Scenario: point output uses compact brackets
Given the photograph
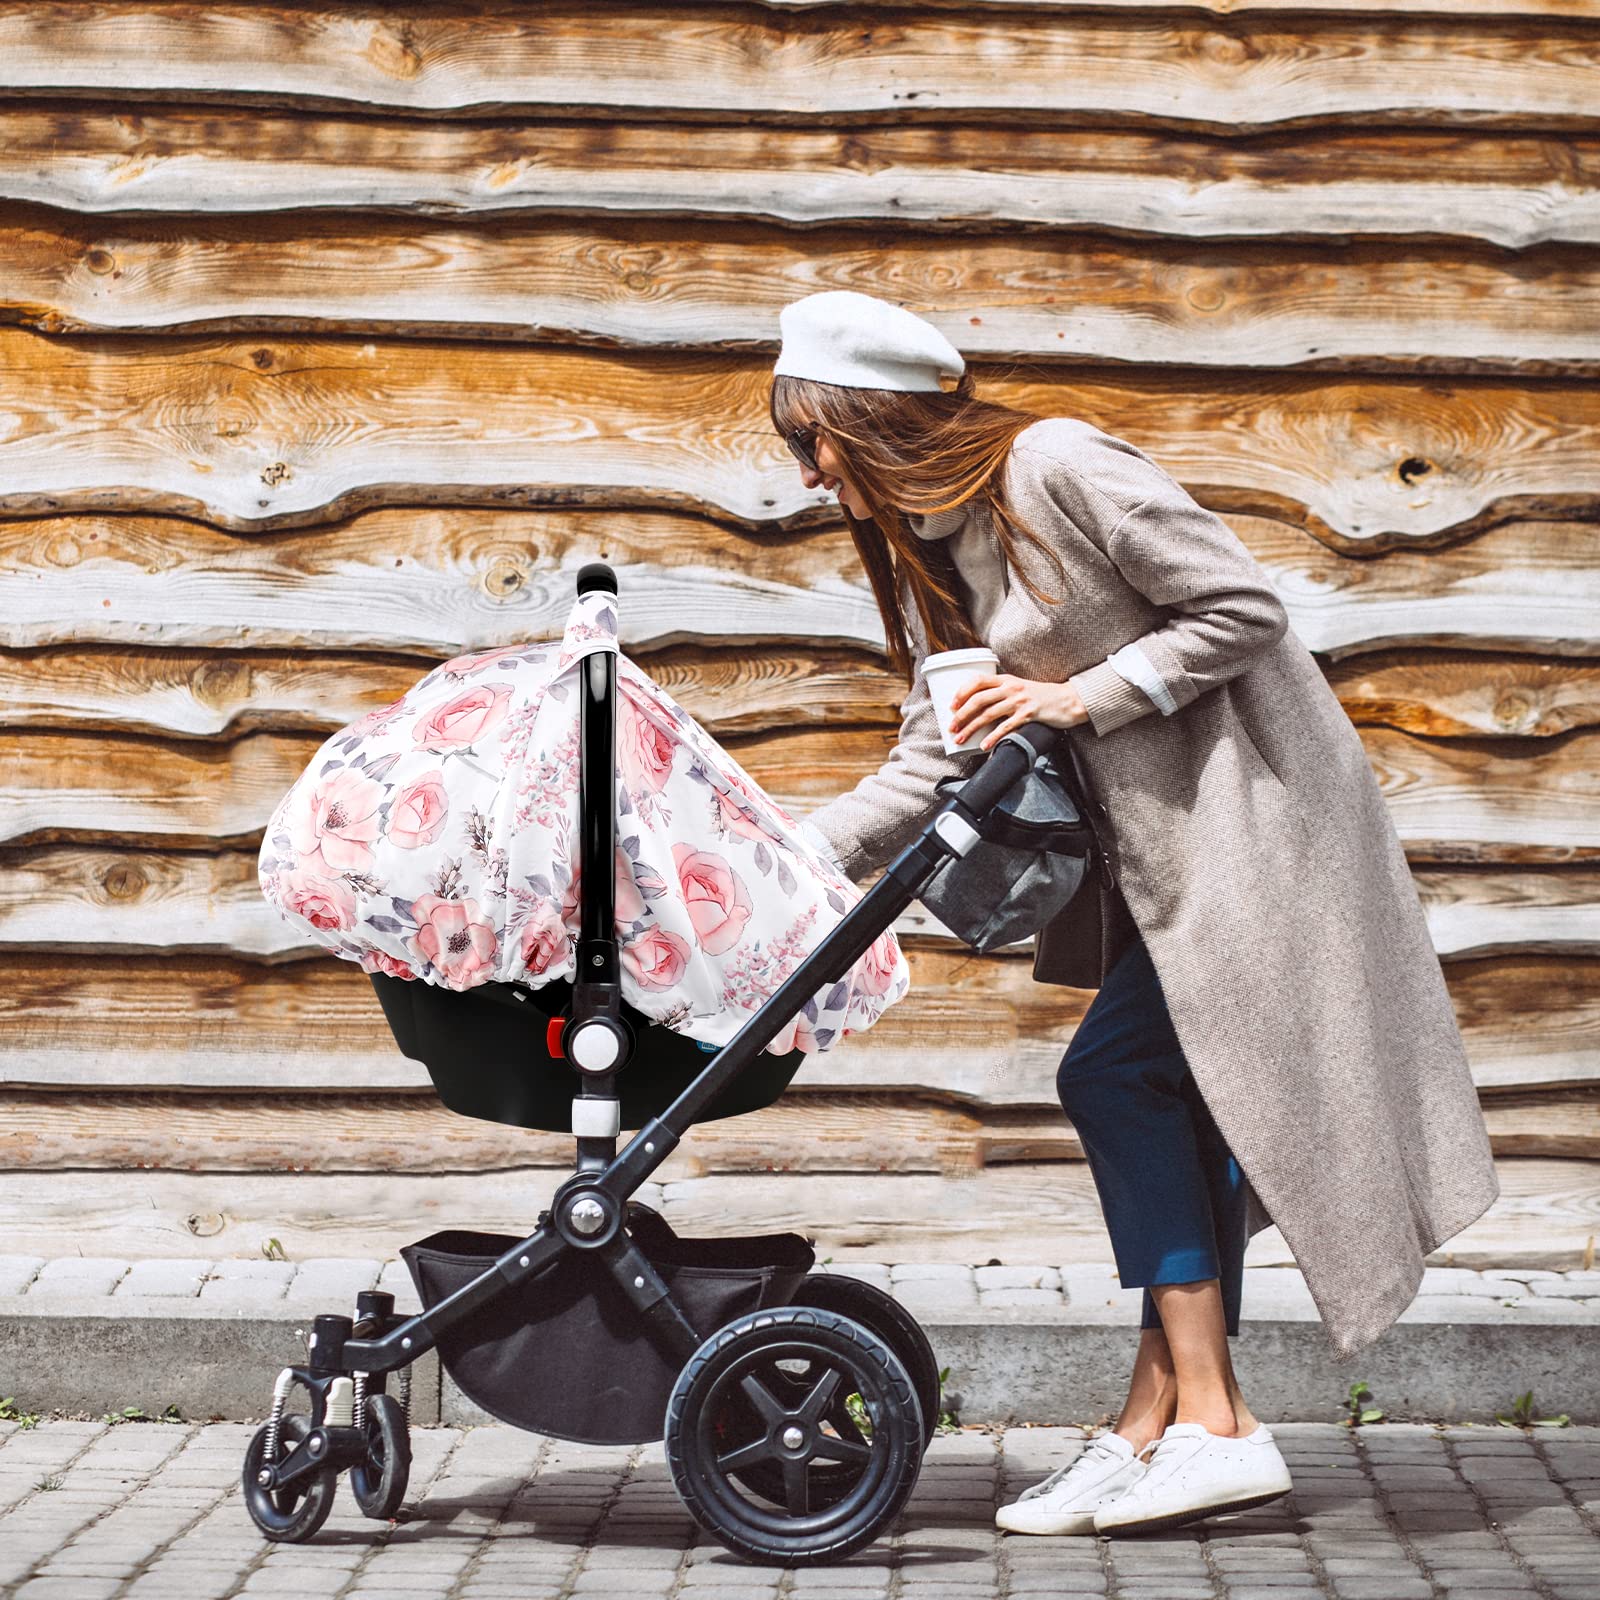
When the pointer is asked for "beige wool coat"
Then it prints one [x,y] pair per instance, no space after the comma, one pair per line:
[1251,846]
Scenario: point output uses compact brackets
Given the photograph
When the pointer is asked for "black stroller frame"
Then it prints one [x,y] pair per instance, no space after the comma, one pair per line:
[798,1408]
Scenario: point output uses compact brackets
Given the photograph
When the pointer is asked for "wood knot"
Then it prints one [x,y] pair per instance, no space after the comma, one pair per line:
[220,681]
[504,578]
[100,261]
[124,881]
[205,1224]
[1512,710]
[856,154]
[1413,469]
[393,55]
[261,358]
[277,473]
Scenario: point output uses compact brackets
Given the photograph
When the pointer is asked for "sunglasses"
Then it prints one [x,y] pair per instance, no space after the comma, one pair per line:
[803,443]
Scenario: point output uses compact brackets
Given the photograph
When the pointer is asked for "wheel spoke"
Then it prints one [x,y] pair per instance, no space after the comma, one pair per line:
[844,1424]
[760,1396]
[747,1455]
[815,1403]
[796,1487]
[830,1449]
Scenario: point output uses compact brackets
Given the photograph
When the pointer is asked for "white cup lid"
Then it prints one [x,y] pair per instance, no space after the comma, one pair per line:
[958,658]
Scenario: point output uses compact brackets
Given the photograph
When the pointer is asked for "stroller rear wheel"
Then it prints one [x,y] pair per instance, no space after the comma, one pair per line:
[881,1314]
[767,1395]
[886,1317]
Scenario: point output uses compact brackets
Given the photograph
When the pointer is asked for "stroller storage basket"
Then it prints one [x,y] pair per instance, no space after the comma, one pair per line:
[565,1353]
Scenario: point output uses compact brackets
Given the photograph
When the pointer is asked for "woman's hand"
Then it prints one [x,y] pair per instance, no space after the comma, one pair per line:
[1012,701]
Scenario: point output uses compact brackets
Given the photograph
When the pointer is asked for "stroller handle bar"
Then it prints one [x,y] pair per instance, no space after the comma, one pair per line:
[609,1187]
[596,575]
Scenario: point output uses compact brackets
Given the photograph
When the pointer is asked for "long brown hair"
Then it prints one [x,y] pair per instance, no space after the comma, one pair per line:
[916,451]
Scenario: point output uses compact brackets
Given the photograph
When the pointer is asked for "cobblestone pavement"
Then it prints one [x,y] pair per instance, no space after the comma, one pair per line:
[1511,1294]
[1391,1512]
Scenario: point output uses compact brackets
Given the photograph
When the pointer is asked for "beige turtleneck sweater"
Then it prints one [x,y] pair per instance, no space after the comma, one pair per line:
[986,581]
[977,557]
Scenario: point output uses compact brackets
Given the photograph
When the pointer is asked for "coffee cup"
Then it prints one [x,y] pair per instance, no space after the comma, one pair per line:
[947,673]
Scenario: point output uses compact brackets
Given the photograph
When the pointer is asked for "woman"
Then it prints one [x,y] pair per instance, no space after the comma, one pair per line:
[1272,1040]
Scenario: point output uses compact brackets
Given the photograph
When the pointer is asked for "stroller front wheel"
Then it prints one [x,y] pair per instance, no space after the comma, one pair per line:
[739,1415]
[379,1483]
[291,1515]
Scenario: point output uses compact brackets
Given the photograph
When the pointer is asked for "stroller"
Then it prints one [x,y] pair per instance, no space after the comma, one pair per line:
[795,1407]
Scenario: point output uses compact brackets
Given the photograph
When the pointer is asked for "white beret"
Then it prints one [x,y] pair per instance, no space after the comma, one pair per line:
[861,342]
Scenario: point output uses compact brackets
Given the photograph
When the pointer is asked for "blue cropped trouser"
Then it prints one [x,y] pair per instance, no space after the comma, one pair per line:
[1173,1194]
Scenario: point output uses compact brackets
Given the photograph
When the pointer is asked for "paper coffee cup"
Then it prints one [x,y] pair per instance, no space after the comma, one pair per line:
[948,672]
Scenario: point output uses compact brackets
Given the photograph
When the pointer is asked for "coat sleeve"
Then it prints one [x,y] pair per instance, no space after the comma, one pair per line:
[869,824]
[1178,556]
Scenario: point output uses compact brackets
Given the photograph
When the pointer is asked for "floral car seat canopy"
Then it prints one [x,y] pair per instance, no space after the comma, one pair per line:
[438,839]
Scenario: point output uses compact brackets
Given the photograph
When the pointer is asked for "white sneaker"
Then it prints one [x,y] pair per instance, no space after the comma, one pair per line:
[1193,1474]
[1067,1500]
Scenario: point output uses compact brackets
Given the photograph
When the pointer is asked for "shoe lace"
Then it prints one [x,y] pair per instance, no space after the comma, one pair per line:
[1093,1456]
[1162,1458]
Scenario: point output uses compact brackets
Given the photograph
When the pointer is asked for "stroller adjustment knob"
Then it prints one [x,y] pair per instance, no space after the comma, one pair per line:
[587,1216]
[596,1044]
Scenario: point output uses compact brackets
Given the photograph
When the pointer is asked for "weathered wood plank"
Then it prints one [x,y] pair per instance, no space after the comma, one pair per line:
[977,1030]
[1371,463]
[806,1131]
[1239,305]
[1550,1124]
[1481,913]
[1476,800]
[191,694]
[1519,572]
[56,787]
[1447,693]
[1504,190]
[1402,8]
[122,902]
[1529,1021]
[995,1214]
[1548,1209]
[1528,1125]
[713,63]
[427,579]
[203,694]
[437,581]
[1547,1215]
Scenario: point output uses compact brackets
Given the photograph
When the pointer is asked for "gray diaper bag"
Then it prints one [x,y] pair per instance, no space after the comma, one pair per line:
[1032,860]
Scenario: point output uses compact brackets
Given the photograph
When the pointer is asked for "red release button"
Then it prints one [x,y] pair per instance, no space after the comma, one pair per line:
[552,1037]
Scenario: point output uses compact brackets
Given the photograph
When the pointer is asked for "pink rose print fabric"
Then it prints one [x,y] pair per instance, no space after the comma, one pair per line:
[438,839]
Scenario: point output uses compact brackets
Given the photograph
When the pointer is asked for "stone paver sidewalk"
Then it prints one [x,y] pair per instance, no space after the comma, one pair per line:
[1390,1512]
[1508,1295]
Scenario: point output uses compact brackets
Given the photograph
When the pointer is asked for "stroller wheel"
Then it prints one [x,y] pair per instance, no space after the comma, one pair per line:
[379,1482]
[883,1315]
[287,1515]
[886,1317]
[764,1404]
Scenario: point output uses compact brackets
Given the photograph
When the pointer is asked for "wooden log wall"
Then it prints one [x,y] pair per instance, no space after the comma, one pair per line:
[334,339]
